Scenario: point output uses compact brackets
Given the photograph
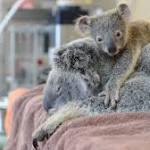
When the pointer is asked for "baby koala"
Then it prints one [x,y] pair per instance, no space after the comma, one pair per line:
[114,32]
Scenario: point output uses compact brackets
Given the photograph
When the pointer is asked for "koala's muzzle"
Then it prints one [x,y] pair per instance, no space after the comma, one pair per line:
[49,101]
[112,49]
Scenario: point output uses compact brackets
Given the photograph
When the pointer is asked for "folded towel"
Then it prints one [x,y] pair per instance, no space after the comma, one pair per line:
[117,131]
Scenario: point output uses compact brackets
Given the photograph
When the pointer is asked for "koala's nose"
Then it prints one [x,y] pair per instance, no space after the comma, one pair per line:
[112,49]
[46,103]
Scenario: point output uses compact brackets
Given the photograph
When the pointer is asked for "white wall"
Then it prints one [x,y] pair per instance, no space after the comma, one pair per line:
[141,9]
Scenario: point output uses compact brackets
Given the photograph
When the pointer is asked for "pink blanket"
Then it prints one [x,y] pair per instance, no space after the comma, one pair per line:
[128,131]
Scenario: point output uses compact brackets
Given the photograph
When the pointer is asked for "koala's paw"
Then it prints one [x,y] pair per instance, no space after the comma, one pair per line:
[39,135]
[114,99]
[111,99]
[105,94]
[43,132]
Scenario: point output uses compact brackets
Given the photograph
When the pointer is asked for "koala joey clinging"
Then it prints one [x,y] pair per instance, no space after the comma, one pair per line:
[114,32]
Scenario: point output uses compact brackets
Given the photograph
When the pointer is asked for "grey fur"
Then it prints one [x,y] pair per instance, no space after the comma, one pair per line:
[70,82]
[59,89]
[104,30]
[99,69]
[74,65]
[82,69]
[135,95]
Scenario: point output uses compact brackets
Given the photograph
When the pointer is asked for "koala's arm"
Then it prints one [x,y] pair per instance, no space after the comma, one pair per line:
[67,112]
[71,110]
[145,60]
[119,69]
[131,68]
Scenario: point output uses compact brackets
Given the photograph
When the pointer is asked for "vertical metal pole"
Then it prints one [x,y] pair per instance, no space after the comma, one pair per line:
[1,50]
[12,57]
[35,50]
[58,36]
[28,46]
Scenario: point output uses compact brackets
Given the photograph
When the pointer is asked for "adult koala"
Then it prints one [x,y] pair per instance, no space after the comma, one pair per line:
[77,76]
[80,70]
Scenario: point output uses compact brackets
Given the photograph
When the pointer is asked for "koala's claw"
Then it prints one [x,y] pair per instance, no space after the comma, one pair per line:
[110,100]
[113,104]
[115,100]
[107,98]
[35,144]
[117,96]
[47,136]
[42,133]
[38,135]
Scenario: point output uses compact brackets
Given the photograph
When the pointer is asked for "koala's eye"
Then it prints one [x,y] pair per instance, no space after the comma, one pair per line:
[58,89]
[99,39]
[118,34]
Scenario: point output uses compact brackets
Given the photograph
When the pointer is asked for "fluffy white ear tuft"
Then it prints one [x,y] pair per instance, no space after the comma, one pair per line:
[83,25]
[124,10]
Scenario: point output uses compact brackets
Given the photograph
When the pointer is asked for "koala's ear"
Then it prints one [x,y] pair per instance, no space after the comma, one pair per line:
[83,25]
[124,10]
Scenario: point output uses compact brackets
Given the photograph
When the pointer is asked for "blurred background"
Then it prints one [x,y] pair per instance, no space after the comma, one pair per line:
[30,29]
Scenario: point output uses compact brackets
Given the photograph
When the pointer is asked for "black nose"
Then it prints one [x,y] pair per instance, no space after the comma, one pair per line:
[112,49]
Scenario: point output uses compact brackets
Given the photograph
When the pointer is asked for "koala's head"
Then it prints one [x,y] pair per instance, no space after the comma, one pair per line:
[110,30]
[61,89]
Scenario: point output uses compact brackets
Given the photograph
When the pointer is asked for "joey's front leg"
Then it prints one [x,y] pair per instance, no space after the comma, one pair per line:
[114,84]
[106,94]
[111,94]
